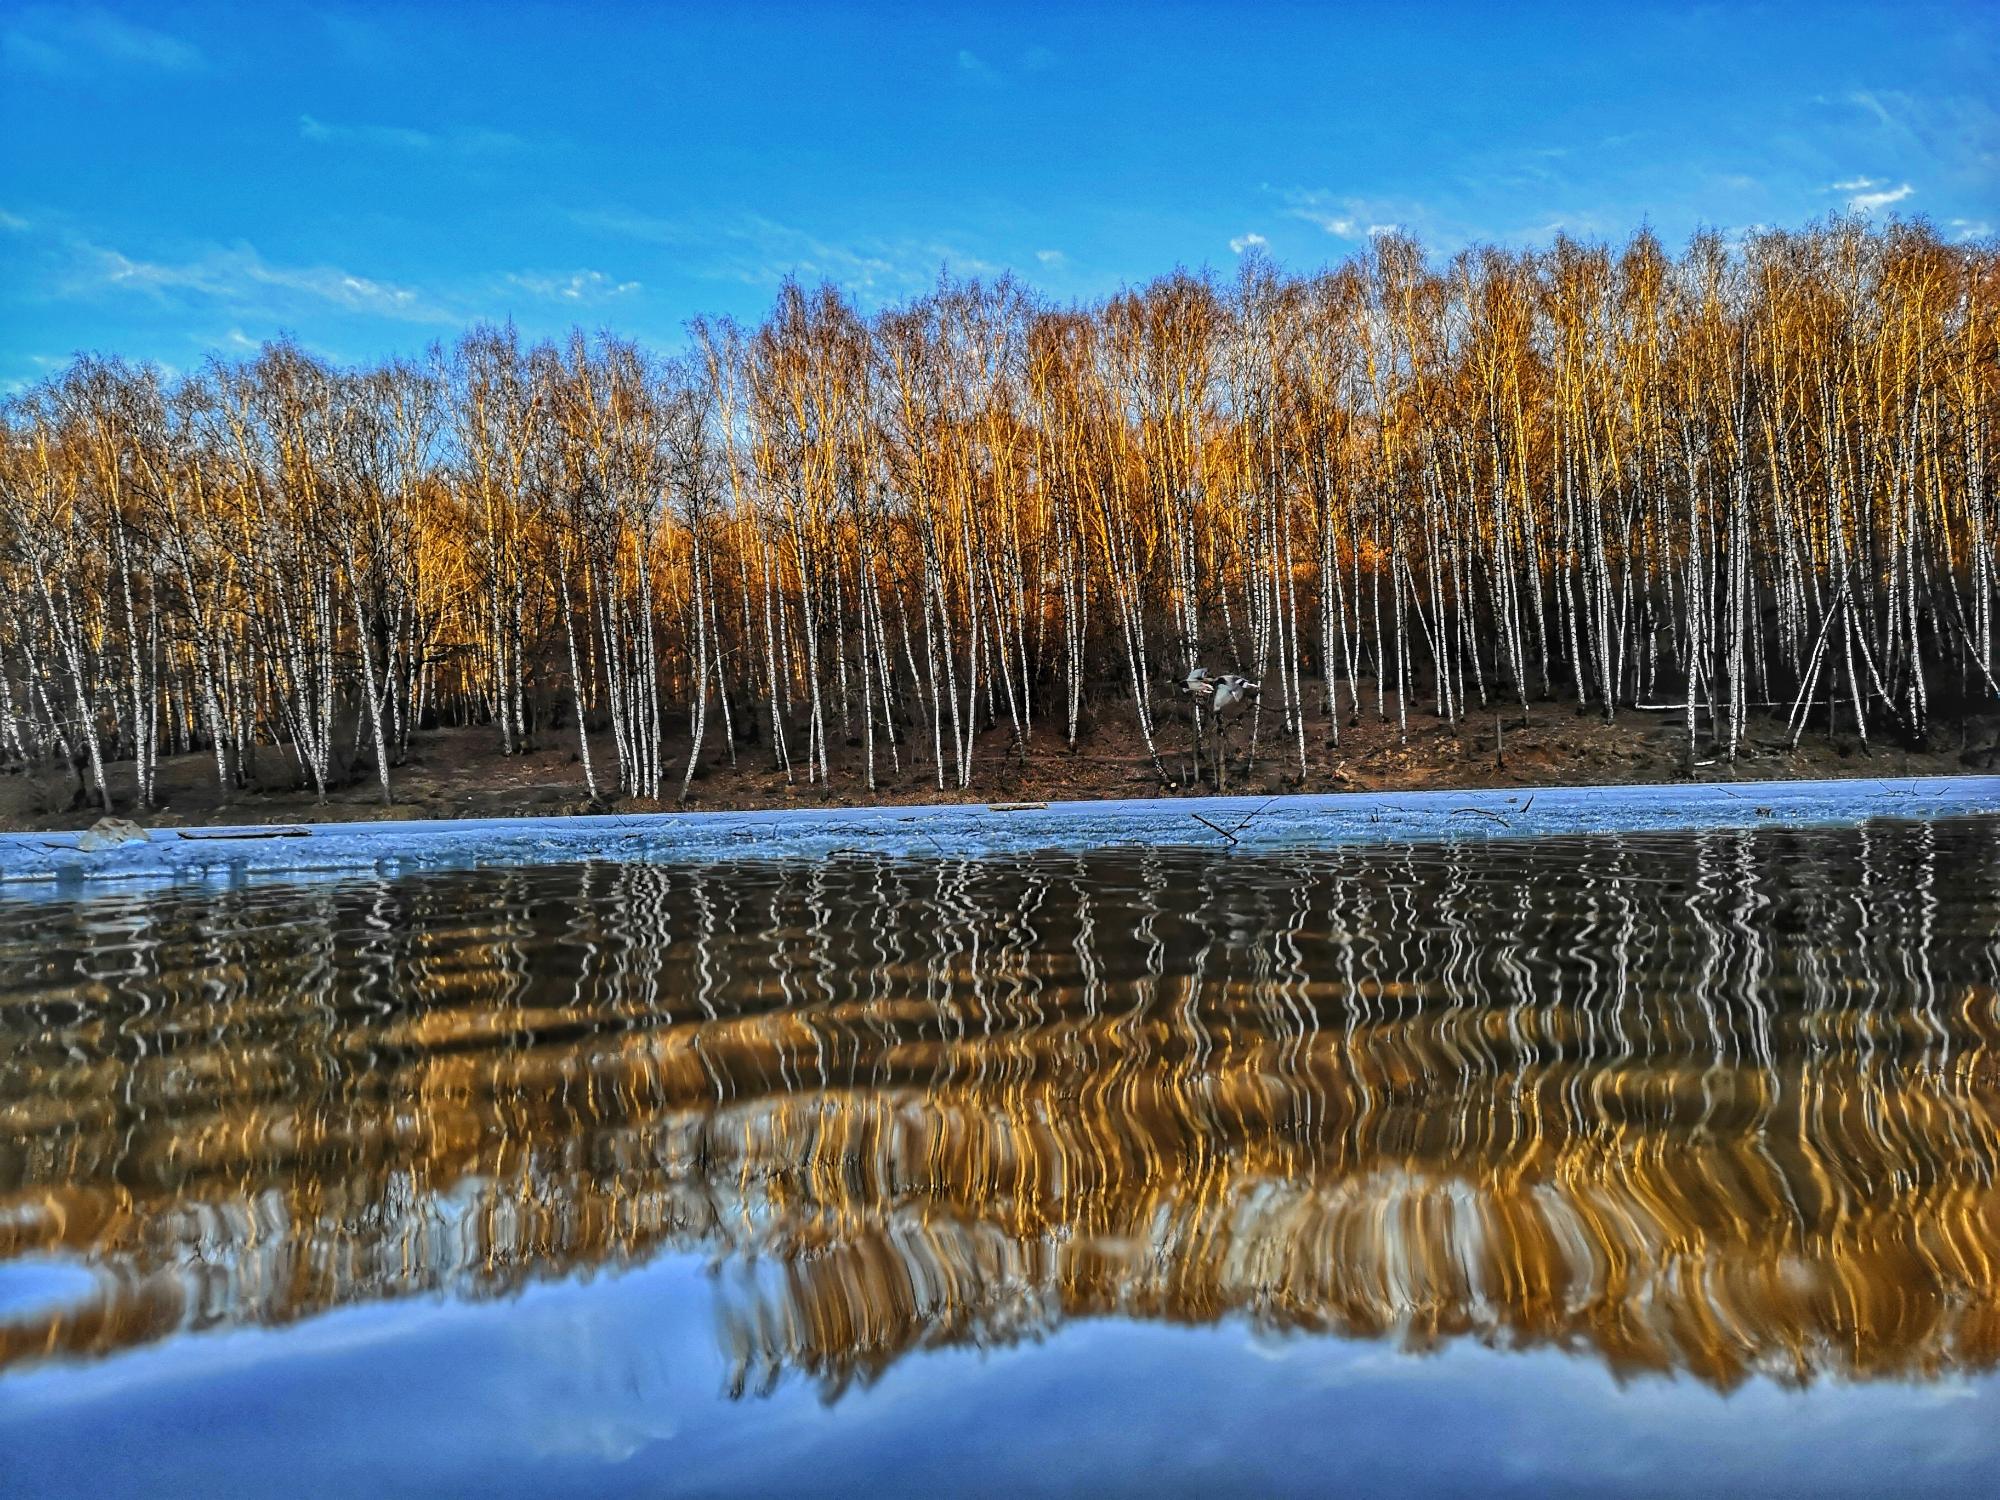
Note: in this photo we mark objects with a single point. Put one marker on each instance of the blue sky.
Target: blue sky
(179, 180)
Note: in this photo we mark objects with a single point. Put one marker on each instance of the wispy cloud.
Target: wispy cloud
(1949, 141)
(1344, 216)
(234, 278)
(1444, 225)
(1051, 258)
(461, 140)
(583, 288)
(373, 135)
(38, 366)
(237, 276)
(1244, 242)
(1866, 194)
(1868, 101)
(760, 251)
(60, 42)
(235, 285)
(1868, 202)
(235, 340)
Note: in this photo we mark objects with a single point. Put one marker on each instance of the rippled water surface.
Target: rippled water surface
(1650, 1164)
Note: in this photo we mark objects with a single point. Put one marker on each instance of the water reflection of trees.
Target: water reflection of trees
(1720, 1104)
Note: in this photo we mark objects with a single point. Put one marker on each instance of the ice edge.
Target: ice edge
(32, 863)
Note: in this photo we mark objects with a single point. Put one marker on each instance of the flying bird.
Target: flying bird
(1226, 697)
(1231, 693)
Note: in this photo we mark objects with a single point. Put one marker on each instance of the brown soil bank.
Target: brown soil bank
(458, 773)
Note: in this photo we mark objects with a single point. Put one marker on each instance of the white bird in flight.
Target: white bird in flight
(1232, 693)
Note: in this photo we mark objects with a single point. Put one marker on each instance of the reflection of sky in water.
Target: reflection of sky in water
(1651, 1164)
(611, 1387)
(33, 1285)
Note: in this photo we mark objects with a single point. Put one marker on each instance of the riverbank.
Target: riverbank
(461, 773)
(44, 862)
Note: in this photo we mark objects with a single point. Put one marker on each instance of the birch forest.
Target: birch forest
(1747, 478)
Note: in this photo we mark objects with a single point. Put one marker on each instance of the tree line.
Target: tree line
(1753, 476)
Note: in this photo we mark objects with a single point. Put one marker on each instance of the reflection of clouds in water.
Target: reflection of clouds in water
(1707, 1104)
(362, 1331)
(601, 1393)
(35, 1286)
(476, 1388)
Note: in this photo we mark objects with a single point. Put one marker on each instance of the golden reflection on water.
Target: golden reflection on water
(1722, 1104)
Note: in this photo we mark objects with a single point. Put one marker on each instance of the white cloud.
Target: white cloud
(1948, 141)
(236, 276)
(1968, 229)
(1865, 203)
(1866, 194)
(1244, 242)
(236, 288)
(1050, 257)
(238, 279)
(581, 287)
(69, 42)
(1342, 225)
(1346, 217)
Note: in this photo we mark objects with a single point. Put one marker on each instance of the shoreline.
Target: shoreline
(42, 864)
